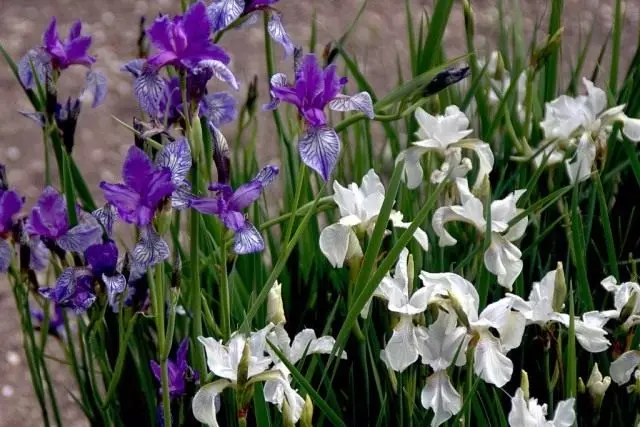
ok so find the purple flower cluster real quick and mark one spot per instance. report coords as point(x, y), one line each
point(10, 205)
point(313, 90)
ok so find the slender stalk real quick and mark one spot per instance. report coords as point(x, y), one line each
point(194, 290)
point(547, 375)
point(225, 299)
point(302, 174)
point(157, 288)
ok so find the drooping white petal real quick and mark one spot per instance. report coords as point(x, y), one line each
point(631, 129)
point(439, 395)
point(402, 349)
point(470, 213)
point(219, 360)
point(485, 157)
point(420, 235)
point(510, 324)
point(579, 168)
point(565, 414)
point(439, 343)
point(502, 258)
point(563, 116)
point(204, 402)
point(519, 416)
point(339, 243)
point(623, 367)
point(590, 335)
point(451, 285)
point(489, 362)
point(596, 99)
point(412, 173)
point(359, 102)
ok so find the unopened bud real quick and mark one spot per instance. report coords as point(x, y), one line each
point(306, 419)
point(410, 273)
point(597, 386)
point(524, 384)
point(275, 308)
point(287, 415)
point(630, 307)
point(497, 63)
point(483, 190)
point(560, 289)
point(540, 56)
point(457, 307)
point(581, 387)
point(243, 366)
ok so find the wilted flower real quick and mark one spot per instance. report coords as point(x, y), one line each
point(178, 369)
point(49, 220)
point(224, 12)
point(10, 204)
point(313, 90)
point(540, 310)
point(228, 205)
point(531, 414)
point(73, 290)
point(444, 135)
point(585, 123)
point(359, 209)
point(240, 363)
point(502, 258)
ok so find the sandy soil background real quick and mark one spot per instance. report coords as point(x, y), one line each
point(101, 143)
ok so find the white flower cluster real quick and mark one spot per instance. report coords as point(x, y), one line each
point(247, 359)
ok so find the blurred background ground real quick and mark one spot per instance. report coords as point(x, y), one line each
point(101, 143)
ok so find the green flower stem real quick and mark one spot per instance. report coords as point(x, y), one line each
point(225, 299)
point(157, 289)
point(547, 375)
point(303, 172)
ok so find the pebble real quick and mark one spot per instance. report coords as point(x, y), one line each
point(13, 358)
point(7, 391)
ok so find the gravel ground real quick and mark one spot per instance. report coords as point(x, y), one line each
point(101, 143)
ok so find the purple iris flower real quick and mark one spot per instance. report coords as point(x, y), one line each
point(102, 260)
point(49, 220)
point(313, 90)
point(10, 204)
point(64, 53)
point(179, 371)
point(145, 187)
point(56, 322)
point(223, 13)
point(73, 290)
point(184, 41)
point(228, 205)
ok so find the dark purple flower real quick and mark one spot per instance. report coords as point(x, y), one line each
point(179, 371)
point(184, 41)
point(314, 90)
point(102, 260)
point(49, 220)
point(65, 53)
point(223, 13)
point(145, 187)
point(56, 322)
point(73, 290)
point(10, 204)
point(228, 205)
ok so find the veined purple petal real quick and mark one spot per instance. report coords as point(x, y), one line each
point(35, 60)
point(233, 220)
point(134, 67)
point(206, 206)
point(39, 254)
point(223, 12)
point(220, 108)
point(220, 71)
point(95, 88)
point(267, 175)
point(73, 289)
point(149, 89)
point(181, 197)
point(221, 154)
point(245, 195)
point(115, 286)
point(319, 149)
point(277, 80)
point(248, 240)
point(176, 156)
point(159, 187)
point(105, 216)
point(150, 249)
point(359, 102)
point(279, 34)
point(80, 237)
point(6, 254)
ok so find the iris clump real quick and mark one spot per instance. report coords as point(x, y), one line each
point(458, 250)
